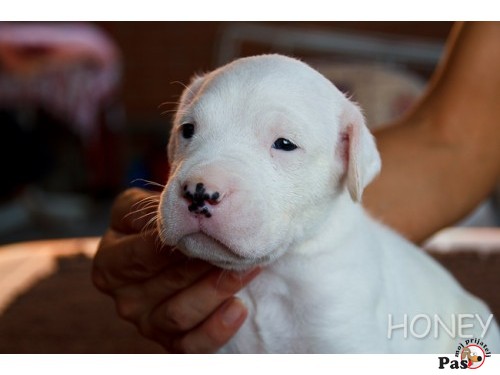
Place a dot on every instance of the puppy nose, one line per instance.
(198, 196)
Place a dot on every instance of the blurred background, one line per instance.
(81, 103)
(85, 112)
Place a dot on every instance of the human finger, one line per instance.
(138, 299)
(214, 332)
(134, 210)
(121, 260)
(188, 308)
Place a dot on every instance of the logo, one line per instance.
(422, 325)
(474, 354)
(470, 355)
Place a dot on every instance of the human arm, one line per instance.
(443, 158)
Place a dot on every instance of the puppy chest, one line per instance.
(283, 318)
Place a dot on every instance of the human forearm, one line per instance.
(443, 158)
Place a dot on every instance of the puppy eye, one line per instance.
(187, 130)
(284, 144)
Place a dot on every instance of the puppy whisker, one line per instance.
(168, 103)
(148, 183)
(147, 206)
(186, 87)
(168, 111)
(222, 276)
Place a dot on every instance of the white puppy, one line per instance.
(269, 161)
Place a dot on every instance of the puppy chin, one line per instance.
(201, 246)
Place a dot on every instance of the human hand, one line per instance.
(186, 305)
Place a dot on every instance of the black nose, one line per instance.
(479, 358)
(199, 198)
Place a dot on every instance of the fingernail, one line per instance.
(233, 313)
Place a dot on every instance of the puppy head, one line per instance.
(260, 150)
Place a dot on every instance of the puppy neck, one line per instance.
(334, 224)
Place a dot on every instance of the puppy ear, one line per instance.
(361, 157)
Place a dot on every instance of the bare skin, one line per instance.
(443, 158)
(438, 162)
(186, 305)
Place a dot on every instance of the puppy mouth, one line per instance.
(216, 252)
